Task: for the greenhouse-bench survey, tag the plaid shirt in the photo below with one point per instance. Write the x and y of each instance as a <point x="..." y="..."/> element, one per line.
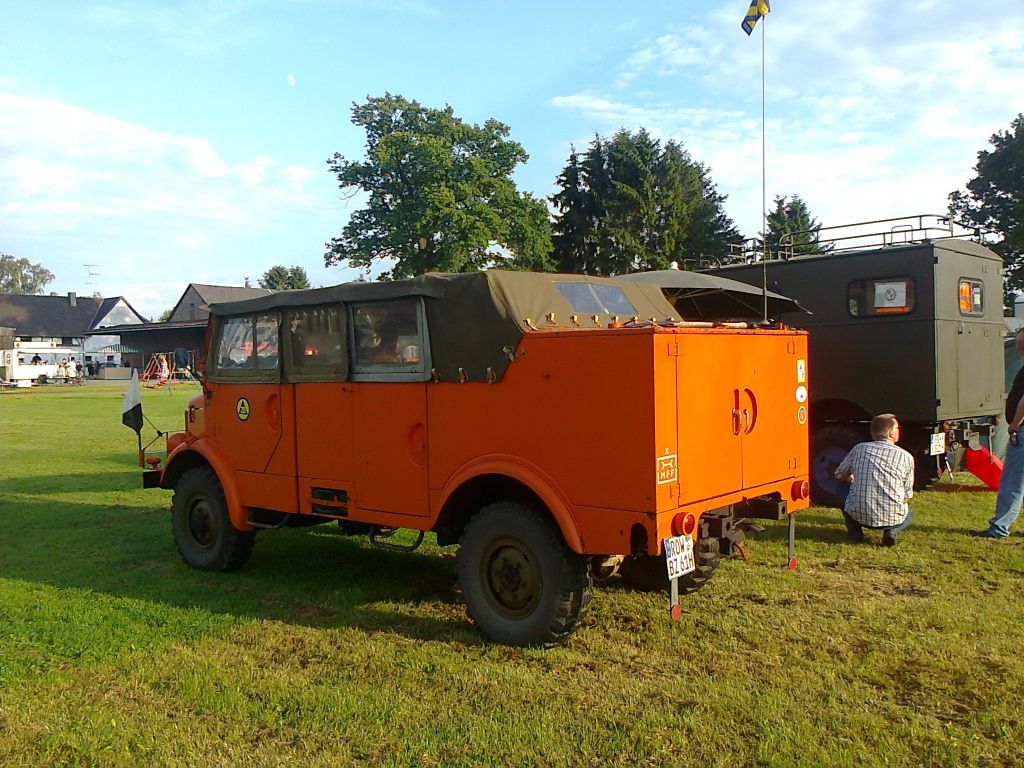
<point x="883" y="480"/>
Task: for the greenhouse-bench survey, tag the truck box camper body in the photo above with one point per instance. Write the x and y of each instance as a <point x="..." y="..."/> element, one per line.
<point x="913" y="326"/>
<point x="477" y="406"/>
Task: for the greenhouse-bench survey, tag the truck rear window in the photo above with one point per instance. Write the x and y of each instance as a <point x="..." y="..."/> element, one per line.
<point x="590" y="299"/>
<point x="881" y="296"/>
<point x="972" y="297"/>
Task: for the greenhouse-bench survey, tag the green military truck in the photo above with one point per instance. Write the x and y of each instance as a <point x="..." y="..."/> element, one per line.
<point x="908" y="319"/>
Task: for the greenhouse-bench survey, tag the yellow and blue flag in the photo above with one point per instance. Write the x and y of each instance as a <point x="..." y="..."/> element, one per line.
<point x="757" y="9"/>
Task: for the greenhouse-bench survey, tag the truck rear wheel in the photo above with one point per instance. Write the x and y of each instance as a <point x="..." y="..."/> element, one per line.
<point x="646" y="573"/>
<point x="203" y="532"/>
<point x="829" y="446"/>
<point x="522" y="585"/>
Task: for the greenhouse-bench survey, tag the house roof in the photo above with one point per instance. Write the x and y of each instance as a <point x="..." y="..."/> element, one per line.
<point x="214" y="294"/>
<point x="47" y="315"/>
<point x="55" y="315"/>
<point x="146" y="327"/>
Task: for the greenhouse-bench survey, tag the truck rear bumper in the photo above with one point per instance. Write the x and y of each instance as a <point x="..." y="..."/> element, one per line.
<point x="151" y="478"/>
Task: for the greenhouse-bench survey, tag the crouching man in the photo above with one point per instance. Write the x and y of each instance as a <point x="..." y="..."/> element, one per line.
<point x="876" y="479"/>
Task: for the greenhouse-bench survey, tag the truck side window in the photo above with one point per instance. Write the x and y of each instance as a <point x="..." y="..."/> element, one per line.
<point x="388" y="338"/>
<point x="972" y="297"/>
<point x="881" y="296"/>
<point x="267" y="342"/>
<point x="316" y="339"/>
<point x="234" y="349"/>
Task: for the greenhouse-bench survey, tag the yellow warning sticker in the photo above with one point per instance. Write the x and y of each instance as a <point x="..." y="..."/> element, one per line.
<point x="242" y="409"/>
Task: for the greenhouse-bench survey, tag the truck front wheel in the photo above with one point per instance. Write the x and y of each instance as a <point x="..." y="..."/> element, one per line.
<point x="521" y="583"/>
<point x="203" y="532"/>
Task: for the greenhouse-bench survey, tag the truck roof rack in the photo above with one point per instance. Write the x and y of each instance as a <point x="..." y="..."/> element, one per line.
<point x="845" y="238"/>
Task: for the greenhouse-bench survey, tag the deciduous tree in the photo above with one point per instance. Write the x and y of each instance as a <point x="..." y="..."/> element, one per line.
<point x="281" y="278"/>
<point x="440" y="195"/>
<point x="22" y="276"/>
<point x="994" y="202"/>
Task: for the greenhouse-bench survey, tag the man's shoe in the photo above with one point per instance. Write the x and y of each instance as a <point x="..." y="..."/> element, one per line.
<point x="888" y="539"/>
<point x="986" y="534"/>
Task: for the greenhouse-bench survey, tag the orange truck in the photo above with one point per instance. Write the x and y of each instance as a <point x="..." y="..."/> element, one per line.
<point x="555" y="427"/>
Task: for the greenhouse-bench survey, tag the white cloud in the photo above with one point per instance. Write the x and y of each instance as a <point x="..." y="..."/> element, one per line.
<point x="874" y="110"/>
<point x="82" y="187"/>
<point x="73" y="164"/>
<point x="291" y="80"/>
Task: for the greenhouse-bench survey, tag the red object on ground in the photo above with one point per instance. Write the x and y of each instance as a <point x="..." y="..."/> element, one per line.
<point x="984" y="466"/>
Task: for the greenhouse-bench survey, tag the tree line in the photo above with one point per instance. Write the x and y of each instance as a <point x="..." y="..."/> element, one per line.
<point x="441" y="197"/>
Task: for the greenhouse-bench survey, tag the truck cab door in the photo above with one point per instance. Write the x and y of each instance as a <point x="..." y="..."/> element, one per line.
<point x="250" y="412"/>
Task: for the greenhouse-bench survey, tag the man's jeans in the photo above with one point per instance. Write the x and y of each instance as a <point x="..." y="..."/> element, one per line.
<point x="1011" y="492"/>
<point x="856" y="530"/>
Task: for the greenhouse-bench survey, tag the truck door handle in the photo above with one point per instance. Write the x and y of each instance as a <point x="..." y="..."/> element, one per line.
<point x="750" y="417"/>
<point x="736" y="424"/>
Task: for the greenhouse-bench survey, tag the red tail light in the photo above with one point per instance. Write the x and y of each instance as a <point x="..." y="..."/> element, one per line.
<point x="683" y="525"/>
<point x="801" y="490"/>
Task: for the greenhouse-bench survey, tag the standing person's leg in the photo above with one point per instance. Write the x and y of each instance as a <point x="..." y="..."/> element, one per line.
<point x="1011" y="493"/>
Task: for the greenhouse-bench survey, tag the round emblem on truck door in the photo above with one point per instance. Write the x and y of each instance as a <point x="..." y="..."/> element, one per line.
<point x="242" y="409"/>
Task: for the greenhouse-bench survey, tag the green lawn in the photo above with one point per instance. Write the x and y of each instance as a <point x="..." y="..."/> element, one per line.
<point x="323" y="651"/>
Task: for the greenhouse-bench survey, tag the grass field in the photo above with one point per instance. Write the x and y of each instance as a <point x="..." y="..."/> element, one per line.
<point x="323" y="651"/>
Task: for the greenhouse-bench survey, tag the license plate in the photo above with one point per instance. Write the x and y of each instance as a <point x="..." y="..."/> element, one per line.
<point x="938" y="445"/>
<point x="679" y="556"/>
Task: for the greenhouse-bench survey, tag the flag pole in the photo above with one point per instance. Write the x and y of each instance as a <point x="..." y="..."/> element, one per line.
<point x="764" y="187"/>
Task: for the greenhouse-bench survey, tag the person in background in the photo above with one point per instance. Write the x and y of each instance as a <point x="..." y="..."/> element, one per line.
<point x="1011" y="481"/>
<point x="876" y="479"/>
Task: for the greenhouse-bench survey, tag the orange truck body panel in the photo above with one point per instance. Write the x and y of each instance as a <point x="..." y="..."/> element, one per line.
<point x="609" y="428"/>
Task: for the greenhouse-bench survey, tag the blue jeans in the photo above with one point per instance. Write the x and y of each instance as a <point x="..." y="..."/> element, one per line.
<point x="1011" y="492"/>
<point x="854" y="528"/>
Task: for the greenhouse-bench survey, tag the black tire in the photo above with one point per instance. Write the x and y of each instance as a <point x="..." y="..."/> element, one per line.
<point x="203" y="532"/>
<point x="646" y="573"/>
<point x="522" y="585"/>
<point x="829" y="445"/>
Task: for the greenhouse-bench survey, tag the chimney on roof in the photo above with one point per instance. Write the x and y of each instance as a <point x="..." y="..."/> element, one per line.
<point x="72" y="298"/>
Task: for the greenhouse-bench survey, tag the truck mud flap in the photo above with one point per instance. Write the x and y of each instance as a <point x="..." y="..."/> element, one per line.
<point x="151" y="478"/>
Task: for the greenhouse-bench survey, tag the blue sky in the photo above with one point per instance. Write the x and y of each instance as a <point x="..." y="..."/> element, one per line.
<point x="176" y="142"/>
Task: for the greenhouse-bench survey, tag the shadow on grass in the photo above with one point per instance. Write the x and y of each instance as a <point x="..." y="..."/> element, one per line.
<point x="128" y="479"/>
<point x="306" y="576"/>
<point x="826" y="525"/>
